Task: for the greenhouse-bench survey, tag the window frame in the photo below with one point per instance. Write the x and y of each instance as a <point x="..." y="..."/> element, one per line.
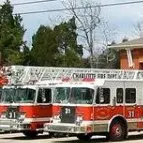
<point x="109" y="98"/>
<point x="135" y="98"/>
<point x="122" y="94"/>
<point x="45" y="97"/>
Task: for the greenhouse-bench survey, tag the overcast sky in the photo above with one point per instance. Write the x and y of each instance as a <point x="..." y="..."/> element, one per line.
<point x="121" y="18"/>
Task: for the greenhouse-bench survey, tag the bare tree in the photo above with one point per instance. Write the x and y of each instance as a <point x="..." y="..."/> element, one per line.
<point x="107" y="38"/>
<point x="139" y="29"/>
<point x="87" y="14"/>
<point x="106" y="57"/>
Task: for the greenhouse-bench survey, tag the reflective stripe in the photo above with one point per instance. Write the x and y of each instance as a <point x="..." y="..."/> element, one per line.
<point x="27" y="120"/>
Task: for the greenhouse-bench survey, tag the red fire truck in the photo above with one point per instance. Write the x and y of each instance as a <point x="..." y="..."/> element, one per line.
<point x="25" y="108"/>
<point x="110" y="106"/>
<point x="26" y="101"/>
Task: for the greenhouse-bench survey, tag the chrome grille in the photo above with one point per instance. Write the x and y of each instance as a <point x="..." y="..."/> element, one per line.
<point x="59" y="128"/>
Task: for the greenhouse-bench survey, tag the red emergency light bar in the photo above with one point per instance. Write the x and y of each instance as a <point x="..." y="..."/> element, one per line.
<point x="3" y="81"/>
<point x="88" y="79"/>
<point x="67" y="79"/>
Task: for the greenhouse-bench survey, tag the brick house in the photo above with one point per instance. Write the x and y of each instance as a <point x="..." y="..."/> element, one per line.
<point x="131" y="54"/>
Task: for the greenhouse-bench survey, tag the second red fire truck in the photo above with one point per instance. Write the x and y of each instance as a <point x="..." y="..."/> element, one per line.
<point x="111" y="106"/>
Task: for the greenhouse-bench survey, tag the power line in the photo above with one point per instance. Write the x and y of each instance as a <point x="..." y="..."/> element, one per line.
<point x="65" y="9"/>
<point x="122" y="3"/>
<point x="104" y="5"/>
<point x="32" y="2"/>
<point x="42" y="11"/>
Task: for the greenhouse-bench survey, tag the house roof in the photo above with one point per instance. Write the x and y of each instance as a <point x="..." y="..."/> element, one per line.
<point x="133" y="44"/>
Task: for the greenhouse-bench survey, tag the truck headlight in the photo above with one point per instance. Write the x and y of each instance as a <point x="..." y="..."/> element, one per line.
<point x="3" y="115"/>
<point x="79" y="119"/>
<point x="22" y="116"/>
<point x="56" y="118"/>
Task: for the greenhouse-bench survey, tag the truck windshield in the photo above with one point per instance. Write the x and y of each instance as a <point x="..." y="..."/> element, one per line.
<point x="75" y="95"/>
<point x="25" y="95"/>
<point x="61" y="94"/>
<point x="82" y="95"/>
<point x="7" y="95"/>
<point x="18" y="95"/>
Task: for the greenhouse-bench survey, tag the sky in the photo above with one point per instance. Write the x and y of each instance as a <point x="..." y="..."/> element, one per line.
<point x="122" y="19"/>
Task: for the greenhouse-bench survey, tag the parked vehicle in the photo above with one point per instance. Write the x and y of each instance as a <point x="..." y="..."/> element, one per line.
<point x="111" y="107"/>
<point x="25" y="108"/>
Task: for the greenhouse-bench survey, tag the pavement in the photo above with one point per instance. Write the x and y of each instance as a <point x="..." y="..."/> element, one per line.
<point x="134" y="137"/>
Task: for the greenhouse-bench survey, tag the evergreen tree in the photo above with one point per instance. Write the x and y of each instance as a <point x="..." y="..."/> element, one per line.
<point x="44" y="47"/>
<point x="57" y="47"/>
<point x="11" y="35"/>
<point x="70" y="53"/>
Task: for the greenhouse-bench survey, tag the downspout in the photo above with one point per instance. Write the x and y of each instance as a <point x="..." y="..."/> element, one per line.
<point x="130" y="58"/>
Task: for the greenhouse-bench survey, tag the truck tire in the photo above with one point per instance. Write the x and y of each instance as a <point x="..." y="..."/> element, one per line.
<point x="117" y="131"/>
<point x="30" y="134"/>
<point x="84" y="137"/>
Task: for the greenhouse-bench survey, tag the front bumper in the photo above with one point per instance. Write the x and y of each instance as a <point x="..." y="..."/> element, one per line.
<point x="13" y="125"/>
<point x="68" y="128"/>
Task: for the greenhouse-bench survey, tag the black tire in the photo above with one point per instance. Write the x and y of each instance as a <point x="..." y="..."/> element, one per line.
<point x="84" y="137"/>
<point x="117" y="131"/>
<point x="107" y="137"/>
<point x="51" y="135"/>
<point x="30" y="134"/>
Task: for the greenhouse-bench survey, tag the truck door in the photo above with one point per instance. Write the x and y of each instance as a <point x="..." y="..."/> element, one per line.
<point x="103" y="104"/>
<point x="44" y="107"/>
<point x="132" y="108"/>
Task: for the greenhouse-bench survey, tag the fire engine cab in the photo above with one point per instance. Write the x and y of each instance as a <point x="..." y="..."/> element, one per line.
<point x="110" y="106"/>
<point x="25" y="108"/>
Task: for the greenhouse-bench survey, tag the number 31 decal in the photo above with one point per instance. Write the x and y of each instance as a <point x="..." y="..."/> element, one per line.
<point x="67" y="111"/>
<point x="131" y="114"/>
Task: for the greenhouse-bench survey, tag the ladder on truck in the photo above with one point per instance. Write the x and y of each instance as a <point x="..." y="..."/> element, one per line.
<point x="28" y="74"/>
